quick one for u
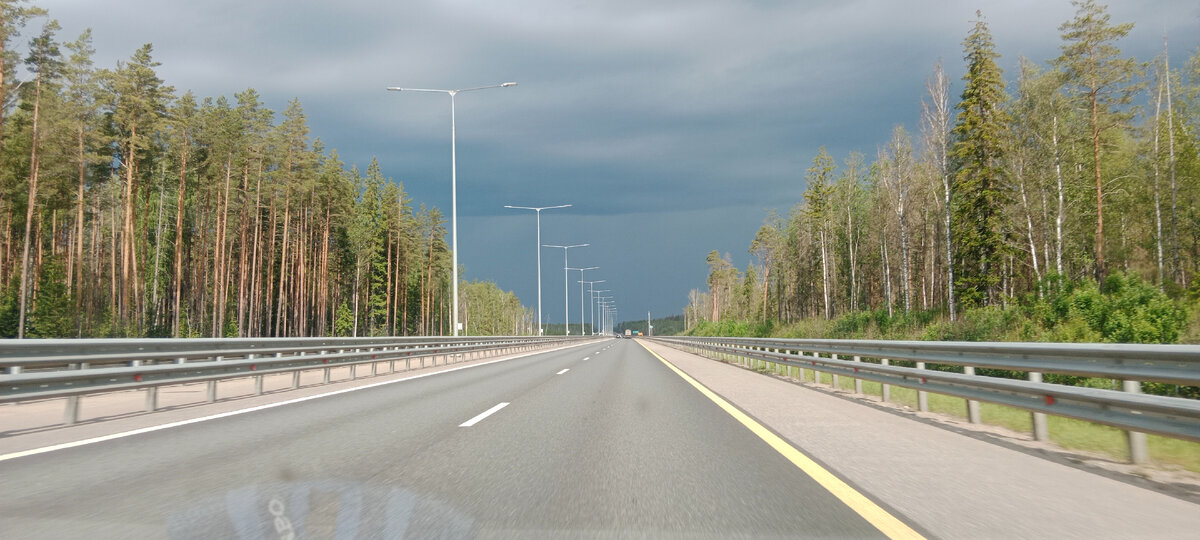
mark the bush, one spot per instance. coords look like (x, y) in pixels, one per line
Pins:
(1127, 310)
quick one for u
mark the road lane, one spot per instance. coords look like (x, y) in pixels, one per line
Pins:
(617, 446)
(624, 446)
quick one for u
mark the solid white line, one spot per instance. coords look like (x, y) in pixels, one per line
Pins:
(102, 438)
(586, 358)
(563, 371)
(483, 415)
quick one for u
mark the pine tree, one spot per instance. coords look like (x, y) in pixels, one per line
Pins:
(1103, 82)
(45, 62)
(137, 100)
(978, 194)
(12, 18)
(54, 312)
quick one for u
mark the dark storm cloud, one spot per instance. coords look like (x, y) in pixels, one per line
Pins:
(671, 125)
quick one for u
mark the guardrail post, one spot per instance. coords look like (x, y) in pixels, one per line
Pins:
(1138, 451)
(886, 391)
(857, 381)
(296, 374)
(836, 385)
(972, 405)
(1041, 432)
(922, 396)
(816, 371)
(152, 399)
(211, 392)
(71, 414)
(801, 355)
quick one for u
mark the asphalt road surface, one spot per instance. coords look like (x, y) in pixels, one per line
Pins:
(596, 441)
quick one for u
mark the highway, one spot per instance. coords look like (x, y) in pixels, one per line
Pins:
(596, 441)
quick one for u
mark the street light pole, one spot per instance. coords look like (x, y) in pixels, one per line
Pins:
(599, 314)
(453, 187)
(566, 286)
(592, 301)
(581, 271)
(538, 211)
(605, 303)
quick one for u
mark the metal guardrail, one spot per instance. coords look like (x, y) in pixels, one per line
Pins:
(1129, 409)
(71, 368)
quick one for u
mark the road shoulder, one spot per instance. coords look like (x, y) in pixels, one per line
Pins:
(950, 484)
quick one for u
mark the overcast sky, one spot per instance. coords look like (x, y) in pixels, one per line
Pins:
(672, 126)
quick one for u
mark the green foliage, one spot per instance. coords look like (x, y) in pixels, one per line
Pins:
(979, 191)
(9, 312)
(1128, 310)
(54, 310)
(343, 322)
(731, 328)
(665, 326)
(487, 310)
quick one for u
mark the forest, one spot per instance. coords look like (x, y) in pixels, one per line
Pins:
(129, 209)
(1057, 203)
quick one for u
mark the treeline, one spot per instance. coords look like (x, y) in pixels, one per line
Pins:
(665, 326)
(1080, 170)
(129, 209)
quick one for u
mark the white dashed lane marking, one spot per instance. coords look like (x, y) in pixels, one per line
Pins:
(483, 415)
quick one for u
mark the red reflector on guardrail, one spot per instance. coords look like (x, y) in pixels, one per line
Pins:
(1049, 400)
(252, 366)
(137, 377)
(922, 380)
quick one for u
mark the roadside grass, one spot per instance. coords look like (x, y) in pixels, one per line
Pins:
(1065, 432)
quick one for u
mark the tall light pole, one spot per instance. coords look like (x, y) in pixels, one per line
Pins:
(581, 271)
(453, 187)
(592, 301)
(538, 210)
(605, 311)
(566, 285)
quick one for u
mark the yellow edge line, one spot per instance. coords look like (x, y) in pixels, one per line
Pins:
(888, 524)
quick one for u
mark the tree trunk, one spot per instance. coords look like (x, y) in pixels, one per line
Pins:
(904, 258)
(30, 205)
(1158, 240)
(1176, 267)
(1101, 271)
(887, 276)
(1058, 218)
(1029, 227)
(283, 263)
